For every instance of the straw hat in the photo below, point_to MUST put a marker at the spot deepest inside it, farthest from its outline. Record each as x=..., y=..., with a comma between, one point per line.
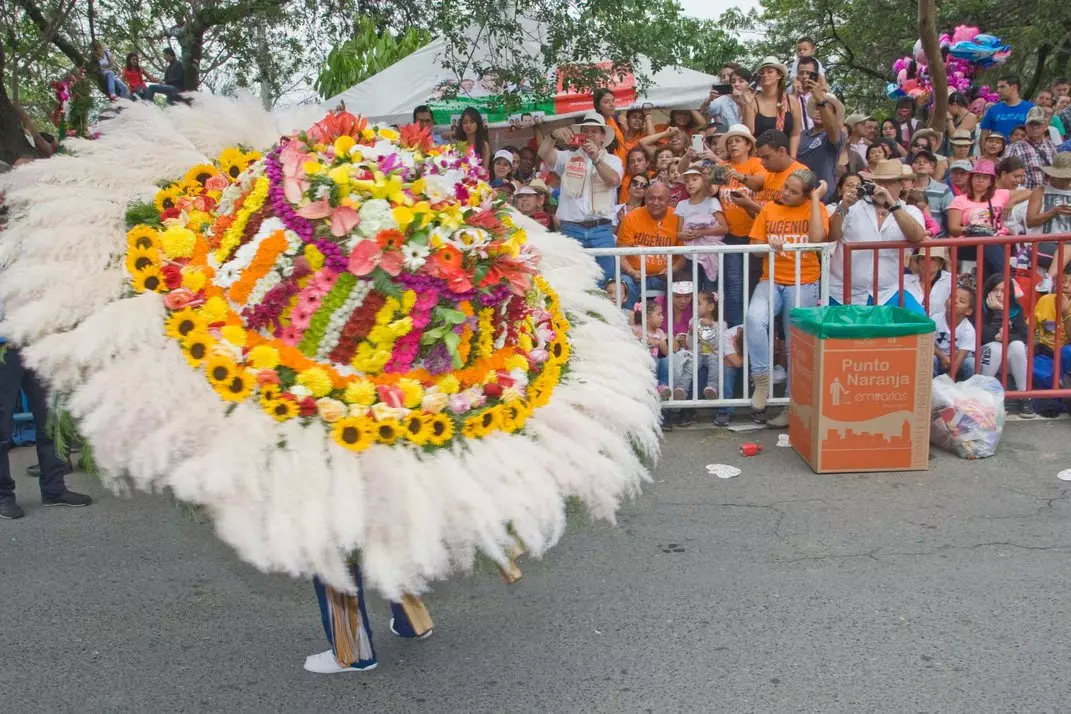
x=772, y=61
x=886, y=170
x=1061, y=166
x=538, y=185
x=738, y=130
x=908, y=172
x=961, y=137
x=595, y=119
x=852, y=119
x=921, y=133
x=939, y=252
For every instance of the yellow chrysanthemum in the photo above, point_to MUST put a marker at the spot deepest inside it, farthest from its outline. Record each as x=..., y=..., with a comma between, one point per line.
x=138, y=259
x=354, y=433
x=143, y=237
x=168, y=197
x=280, y=409
x=441, y=429
x=235, y=334
x=196, y=346
x=408, y=301
x=215, y=309
x=201, y=173
x=316, y=380
x=314, y=257
x=149, y=280
x=517, y=362
x=417, y=428
x=524, y=341
x=238, y=387
x=388, y=431
x=412, y=392
x=219, y=369
x=184, y=322
x=178, y=242
x=193, y=279
x=263, y=357
x=360, y=392
x=449, y=384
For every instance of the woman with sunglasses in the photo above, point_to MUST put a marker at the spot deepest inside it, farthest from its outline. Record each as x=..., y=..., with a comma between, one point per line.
x=637, y=164
x=636, y=191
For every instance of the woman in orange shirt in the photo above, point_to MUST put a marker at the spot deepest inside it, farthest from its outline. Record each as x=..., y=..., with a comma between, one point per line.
x=745, y=176
x=606, y=105
x=795, y=218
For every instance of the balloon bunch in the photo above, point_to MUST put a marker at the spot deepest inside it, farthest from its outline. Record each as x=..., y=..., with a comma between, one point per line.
x=965, y=52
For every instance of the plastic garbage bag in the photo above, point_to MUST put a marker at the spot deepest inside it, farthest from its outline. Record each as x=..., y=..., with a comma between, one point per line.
x=967, y=417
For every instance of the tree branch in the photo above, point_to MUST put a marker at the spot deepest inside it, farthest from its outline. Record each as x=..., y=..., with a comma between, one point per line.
x=850, y=54
x=936, y=63
x=1039, y=69
x=61, y=43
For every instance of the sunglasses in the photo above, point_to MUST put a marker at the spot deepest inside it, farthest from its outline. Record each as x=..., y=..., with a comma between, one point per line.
x=639, y=182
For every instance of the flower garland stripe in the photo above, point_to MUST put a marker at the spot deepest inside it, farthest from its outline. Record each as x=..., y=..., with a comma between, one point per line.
x=314, y=335
x=358, y=324
x=340, y=317
x=267, y=252
x=251, y=205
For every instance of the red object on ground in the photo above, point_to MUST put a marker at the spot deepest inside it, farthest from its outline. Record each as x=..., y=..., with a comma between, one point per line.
x=750, y=448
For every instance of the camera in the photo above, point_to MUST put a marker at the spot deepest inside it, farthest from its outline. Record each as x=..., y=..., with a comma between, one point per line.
x=866, y=189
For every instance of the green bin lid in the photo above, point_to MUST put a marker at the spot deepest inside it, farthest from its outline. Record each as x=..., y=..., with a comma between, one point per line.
x=858, y=322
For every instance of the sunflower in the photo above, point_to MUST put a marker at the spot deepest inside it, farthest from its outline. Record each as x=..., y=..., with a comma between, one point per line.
x=387, y=431
x=201, y=173
x=183, y=322
x=483, y=423
x=238, y=387
x=139, y=259
x=280, y=409
x=149, y=280
x=191, y=187
x=514, y=415
x=269, y=392
x=196, y=346
x=220, y=369
x=234, y=161
x=142, y=237
x=168, y=197
x=441, y=429
x=559, y=350
x=417, y=428
x=355, y=433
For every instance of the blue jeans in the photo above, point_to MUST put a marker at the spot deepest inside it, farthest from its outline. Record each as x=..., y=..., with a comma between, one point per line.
x=966, y=370
x=910, y=303
x=662, y=371
x=733, y=278
x=728, y=390
x=15, y=376
x=654, y=282
x=114, y=84
x=757, y=330
x=152, y=90
x=601, y=236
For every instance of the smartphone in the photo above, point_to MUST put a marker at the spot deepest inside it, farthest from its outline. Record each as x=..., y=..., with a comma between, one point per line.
x=697, y=143
x=722, y=88
x=577, y=141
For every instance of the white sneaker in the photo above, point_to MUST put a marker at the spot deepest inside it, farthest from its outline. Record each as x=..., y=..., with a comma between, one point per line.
x=325, y=663
x=425, y=636
x=780, y=421
x=779, y=374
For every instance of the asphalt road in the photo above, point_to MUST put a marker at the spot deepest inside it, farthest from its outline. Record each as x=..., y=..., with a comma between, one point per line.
x=777, y=591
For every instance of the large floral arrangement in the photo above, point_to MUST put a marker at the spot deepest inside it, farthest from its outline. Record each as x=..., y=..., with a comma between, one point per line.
x=357, y=276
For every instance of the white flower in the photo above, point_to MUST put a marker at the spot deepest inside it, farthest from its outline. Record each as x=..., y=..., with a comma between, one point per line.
x=300, y=391
x=441, y=187
x=414, y=255
x=375, y=216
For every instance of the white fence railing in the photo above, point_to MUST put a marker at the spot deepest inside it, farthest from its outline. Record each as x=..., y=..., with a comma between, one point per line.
x=676, y=356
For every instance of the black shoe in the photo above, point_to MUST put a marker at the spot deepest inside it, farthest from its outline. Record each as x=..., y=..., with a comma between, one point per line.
x=9, y=510
x=1026, y=409
x=759, y=416
x=686, y=418
x=67, y=498
x=668, y=420
x=721, y=419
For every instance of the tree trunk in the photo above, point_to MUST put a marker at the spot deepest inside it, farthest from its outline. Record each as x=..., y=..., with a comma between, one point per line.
x=267, y=98
x=936, y=63
x=1039, y=71
x=13, y=143
x=193, y=48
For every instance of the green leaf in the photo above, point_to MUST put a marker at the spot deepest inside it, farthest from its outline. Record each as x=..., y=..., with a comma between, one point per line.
x=449, y=315
x=452, y=340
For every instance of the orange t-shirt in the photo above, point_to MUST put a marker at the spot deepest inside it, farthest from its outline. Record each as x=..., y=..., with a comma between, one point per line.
x=622, y=194
x=790, y=222
x=638, y=228
x=771, y=190
x=739, y=220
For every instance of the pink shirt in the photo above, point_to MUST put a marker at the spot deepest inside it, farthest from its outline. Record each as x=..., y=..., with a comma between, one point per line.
x=976, y=213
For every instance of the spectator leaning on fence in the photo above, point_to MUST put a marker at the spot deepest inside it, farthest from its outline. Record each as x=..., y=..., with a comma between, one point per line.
x=991, y=325
x=871, y=218
x=1046, y=316
x=590, y=177
x=797, y=217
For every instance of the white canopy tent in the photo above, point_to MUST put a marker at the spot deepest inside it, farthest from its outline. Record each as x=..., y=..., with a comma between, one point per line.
x=391, y=95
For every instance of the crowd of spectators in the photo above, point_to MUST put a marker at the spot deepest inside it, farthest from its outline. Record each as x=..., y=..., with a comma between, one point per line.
x=774, y=158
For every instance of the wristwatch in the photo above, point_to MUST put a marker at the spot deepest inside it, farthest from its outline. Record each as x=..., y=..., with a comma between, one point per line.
x=896, y=207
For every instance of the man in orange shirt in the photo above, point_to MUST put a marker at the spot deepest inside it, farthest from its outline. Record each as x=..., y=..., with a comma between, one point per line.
x=656, y=225
x=796, y=217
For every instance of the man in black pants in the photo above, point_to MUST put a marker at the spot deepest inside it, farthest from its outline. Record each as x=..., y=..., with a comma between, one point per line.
x=54, y=492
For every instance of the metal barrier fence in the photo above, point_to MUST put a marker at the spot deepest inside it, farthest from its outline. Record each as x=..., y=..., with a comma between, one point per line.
x=996, y=251
x=674, y=360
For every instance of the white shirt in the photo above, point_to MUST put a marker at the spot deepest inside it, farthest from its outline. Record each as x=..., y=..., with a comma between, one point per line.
x=795, y=68
x=861, y=226
x=727, y=336
x=965, y=335
x=598, y=198
x=940, y=291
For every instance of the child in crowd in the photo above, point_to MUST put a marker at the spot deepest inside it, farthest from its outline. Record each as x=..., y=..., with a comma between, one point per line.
x=663, y=158
x=991, y=323
x=1046, y=313
x=703, y=223
x=960, y=364
x=938, y=275
x=677, y=191
x=918, y=199
x=655, y=339
x=531, y=200
x=619, y=295
x=706, y=356
x=732, y=356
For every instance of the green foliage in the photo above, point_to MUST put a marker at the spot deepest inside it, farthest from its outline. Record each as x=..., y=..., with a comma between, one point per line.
x=366, y=53
x=138, y=213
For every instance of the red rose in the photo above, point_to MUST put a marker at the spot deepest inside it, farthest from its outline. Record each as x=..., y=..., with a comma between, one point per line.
x=307, y=407
x=492, y=390
x=172, y=276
